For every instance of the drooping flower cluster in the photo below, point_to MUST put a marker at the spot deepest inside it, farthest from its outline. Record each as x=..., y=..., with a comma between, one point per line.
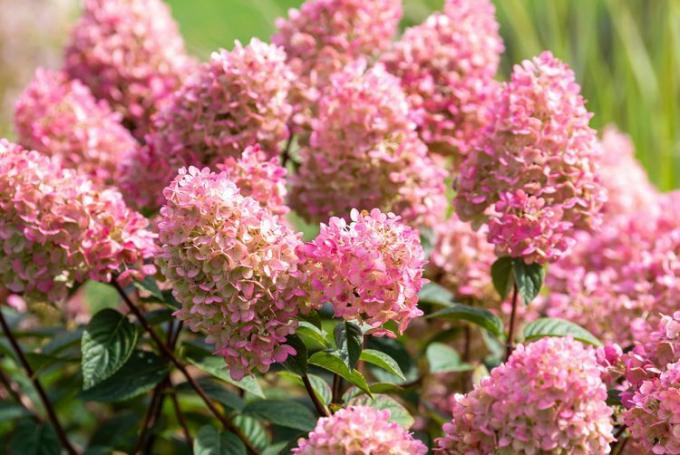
x=59, y=117
x=548, y=398
x=57, y=229
x=462, y=259
x=447, y=66
x=532, y=179
x=325, y=35
x=627, y=184
x=359, y=430
x=236, y=100
x=370, y=269
x=368, y=156
x=130, y=53
x=233, y=268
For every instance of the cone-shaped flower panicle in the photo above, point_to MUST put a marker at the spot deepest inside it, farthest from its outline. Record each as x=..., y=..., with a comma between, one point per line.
x=130, y=53
x=447, y=66
x=548, y=398
x=359, y=430
x=324, y=35
x=533, y=177
x=368, y=156
x=57, y=229
x=233, y=267
x=61, y=118
x=369, y=269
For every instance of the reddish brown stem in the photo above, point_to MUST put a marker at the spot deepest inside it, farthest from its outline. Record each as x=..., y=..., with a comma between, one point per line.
x=320, y=407
x=509, y=344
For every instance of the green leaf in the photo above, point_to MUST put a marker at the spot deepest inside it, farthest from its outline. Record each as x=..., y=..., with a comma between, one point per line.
x=434, y=294
x=313, y=337
x=321, y=388
x=108, y=342
x=253, y=430
x=215, y=391
x=398, y=413
x=148, y=284
x=298, y=362
x=613, y=397
x=428, y=240
x=10, y=411
x=554, y=327
x=444, y=359
x=478, y=316
x=209, y=441
x=34, y=438
x=285, y=413
x=141, y=373
x=382, y=360
x=502, y=275
x=349, y=340
x=217, y=367
x=529, y=279
x=333, y=363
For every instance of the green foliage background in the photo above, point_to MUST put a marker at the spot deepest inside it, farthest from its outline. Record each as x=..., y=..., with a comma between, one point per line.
x=626, y=54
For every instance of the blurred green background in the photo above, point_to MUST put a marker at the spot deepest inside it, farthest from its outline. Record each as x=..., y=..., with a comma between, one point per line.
x=626, y=54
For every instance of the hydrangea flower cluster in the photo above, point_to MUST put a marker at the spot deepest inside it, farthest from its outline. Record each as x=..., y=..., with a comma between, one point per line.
x=60, y=118
x=232, y=265
x=548, y=397
x=370, y=269
x=532, y=179
x=447, y=66
x=462, y=259
x=325, y=35
x=130, y=53
x=368, y=156
x=359, y=430
x=57, y=229
x=236, y=100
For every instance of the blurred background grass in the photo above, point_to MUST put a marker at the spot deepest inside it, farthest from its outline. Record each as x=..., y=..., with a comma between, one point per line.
x=626, y=54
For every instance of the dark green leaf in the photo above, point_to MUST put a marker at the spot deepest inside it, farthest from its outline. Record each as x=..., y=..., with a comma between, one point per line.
x=398, y=413
x=554, y=327
x=63, y=341
x=313, y=337
x=434, y=294
x=333, y=363
x=298, y=362
x=253, y=430
x=285, y=413
x=382, y=360
x=444, y=359
x=529, y=279
x=501, y=275
x=209, y=441
x=349, y=340
x=428, y=239
x=148, y=284
x=479, y=316
x=312, y=318
x=10, y=411
x=613, y=397
x=321, y=388
x=108, y=342
x=140, y=374
x=217, y=367
x=34, y=438
x=215, y=391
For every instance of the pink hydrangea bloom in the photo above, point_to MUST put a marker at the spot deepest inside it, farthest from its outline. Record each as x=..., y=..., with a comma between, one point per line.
x=447, y=66
x=324, y=35
x=462, y=260
x=548, y=398
x=359, y=430
x=370, y=269
x=233, y=267
x=628, y=186
x=653, y=417
x=61, y=118
x=368, y=156
x=130, y=53
x=236, y=100
x=57, y=229
x=533, y=179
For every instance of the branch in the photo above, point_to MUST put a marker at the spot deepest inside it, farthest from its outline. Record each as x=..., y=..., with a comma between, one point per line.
x=509, y=346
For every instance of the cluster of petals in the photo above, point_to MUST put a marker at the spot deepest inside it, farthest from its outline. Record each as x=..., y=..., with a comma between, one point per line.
x=447, y=66
x=130, y=53
x=323, y=36
x=359, y=430
x=233, y=267
x=235, y=100
x=57, y=229
x=60, y=117
x=369, y=269
x=368, y=156
x=462, y=259
x=532, y=179
x=548, y=398
x=627, y=184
